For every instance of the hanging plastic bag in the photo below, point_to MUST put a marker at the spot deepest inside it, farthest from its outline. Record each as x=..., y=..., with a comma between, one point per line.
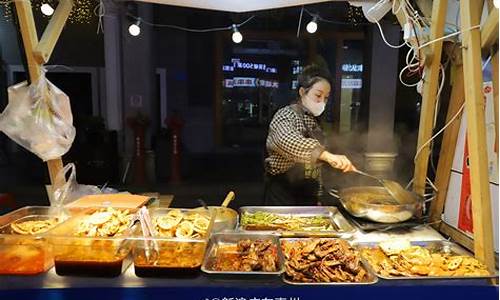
x=38, y=117
x=71, y=190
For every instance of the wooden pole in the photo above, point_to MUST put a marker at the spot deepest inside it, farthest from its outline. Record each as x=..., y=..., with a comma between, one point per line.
x=487, y=42
x=51, y=34
x=430, y=89
x=448, y=145
x=470, y=13
x=489, y=32
x=494, y=69
x=30, y=41
x=30, y=38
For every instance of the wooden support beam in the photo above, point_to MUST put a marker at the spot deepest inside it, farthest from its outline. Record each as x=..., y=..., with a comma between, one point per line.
x=470, y=14
x=457, y=236
x=30, y=38
x=51, y=34
x=30, y=41
x=430, y=88
x=489, y=32
x=494, y=71
x=448, y=145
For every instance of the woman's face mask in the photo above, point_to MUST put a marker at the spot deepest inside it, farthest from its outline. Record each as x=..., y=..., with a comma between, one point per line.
x=315, y=99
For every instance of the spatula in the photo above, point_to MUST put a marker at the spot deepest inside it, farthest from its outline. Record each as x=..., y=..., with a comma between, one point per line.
x=394, y=188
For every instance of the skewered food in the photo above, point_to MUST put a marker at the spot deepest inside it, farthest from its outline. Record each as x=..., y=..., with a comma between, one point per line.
x=247, y=256
x=34, y=227
x=261, y=220
x=410, y=261
x=322, y=260
x=105, y=222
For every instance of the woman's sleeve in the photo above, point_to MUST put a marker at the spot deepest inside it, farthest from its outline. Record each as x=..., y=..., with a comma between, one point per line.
x=286, y=139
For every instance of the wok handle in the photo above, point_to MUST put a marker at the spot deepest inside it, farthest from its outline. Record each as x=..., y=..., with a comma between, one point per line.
x=229, y=198
x=334, y=193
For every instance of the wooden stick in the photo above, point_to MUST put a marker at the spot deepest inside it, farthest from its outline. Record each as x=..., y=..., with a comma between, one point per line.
x=53, y=31
x=430, y=88
x=30, y=38
x=489, y=32
x=494, y=70
x=30, y=41
x=470, y=13
x=448, y=145
x=457, y=235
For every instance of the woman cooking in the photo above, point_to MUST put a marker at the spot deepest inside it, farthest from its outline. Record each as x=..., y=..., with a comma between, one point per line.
x=295, y=144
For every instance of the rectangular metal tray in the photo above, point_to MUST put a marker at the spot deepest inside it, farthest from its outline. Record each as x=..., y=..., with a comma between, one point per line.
x=31, y=253
x=229, y=238
x=444, y=246
x=372, y=278
x=345, y=229
x=162, y=262
x=89, y=256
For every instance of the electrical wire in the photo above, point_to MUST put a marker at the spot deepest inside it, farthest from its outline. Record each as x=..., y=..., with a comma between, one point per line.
x=385, y=41
x=449, y=122
x=191, y=29
x=448, y=36
x=320, y=18
x=300, y=21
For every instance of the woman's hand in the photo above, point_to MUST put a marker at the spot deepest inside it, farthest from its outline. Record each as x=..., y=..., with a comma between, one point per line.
x=337, y=161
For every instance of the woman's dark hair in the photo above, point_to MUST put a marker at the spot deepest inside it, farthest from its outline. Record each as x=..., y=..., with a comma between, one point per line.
x=312, y=74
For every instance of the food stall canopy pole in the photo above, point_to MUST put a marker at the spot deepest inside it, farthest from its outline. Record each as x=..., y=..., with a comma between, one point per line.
x=31, y=44
x=238, y=6
x=430, y=89
x=470, y=14
x=450, y=137
x=489, y=38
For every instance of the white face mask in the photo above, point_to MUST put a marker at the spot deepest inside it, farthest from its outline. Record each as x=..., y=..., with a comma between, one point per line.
x=316, y=108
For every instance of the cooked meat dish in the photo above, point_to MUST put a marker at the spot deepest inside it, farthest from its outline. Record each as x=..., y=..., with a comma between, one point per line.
x=322, y=260
x=247, y=256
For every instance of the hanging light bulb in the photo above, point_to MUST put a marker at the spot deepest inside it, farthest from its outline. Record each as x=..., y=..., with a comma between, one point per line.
x=47, y=9
x=313, y=25
x=134, y=29
x=237, y=36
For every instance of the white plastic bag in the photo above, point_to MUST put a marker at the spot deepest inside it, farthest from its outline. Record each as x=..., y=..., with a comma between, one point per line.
x=38, y=117
x=71, y=190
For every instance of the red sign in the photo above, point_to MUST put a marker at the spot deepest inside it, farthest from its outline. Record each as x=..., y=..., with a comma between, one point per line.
x=465, y=211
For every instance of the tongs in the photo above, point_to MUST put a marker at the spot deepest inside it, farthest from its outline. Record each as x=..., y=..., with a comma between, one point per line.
x=150, y=245
x=395, y=189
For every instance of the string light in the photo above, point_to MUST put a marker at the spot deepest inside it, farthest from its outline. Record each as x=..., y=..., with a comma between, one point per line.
x=134, y=28
x=313, y=25
x=47, y=9
x=237, y=36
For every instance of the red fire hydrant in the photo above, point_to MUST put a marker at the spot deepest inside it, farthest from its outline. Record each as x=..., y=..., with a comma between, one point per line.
x=175, y=124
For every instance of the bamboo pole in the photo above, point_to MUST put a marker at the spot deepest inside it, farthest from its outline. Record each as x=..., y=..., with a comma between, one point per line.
x=470, y=13
x=430, y=88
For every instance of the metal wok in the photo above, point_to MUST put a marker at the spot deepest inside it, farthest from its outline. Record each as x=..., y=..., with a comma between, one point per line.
x=376, y=204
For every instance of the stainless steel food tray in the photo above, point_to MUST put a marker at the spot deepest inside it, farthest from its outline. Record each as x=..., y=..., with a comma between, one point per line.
x=229, y=238
x=372, y=278
x=433, y=246
x=344, y=228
